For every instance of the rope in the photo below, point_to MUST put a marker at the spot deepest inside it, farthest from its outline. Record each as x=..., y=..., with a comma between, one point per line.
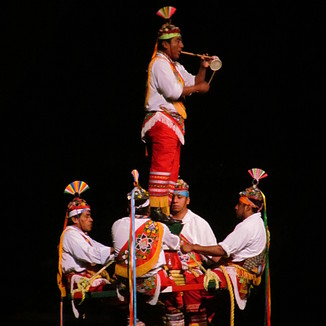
x=211, y=277
x=84, y=284
x=230, y=288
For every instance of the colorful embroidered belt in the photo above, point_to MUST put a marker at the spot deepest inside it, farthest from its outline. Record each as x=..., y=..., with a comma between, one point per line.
x=175, y=117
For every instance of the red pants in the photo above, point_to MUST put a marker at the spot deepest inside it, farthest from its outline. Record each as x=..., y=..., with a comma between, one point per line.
x=165, y=163
x=99, y=287
x=193, y=299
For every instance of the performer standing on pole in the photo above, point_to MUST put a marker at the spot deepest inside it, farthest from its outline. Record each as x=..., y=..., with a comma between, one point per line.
x=163, y=129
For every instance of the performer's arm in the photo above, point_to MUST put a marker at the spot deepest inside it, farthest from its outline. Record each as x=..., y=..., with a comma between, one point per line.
x=164, y=80
x=77, y=246
x=215, y=251
x=202, y=87
x=201, y=75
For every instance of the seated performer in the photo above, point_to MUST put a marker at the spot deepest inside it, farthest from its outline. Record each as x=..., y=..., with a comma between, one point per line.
x=80, y=256
x=151, y=236
x=192, y=229
x=241, y=254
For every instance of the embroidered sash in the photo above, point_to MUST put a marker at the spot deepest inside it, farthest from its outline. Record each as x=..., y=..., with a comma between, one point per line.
x=249, y=273
x=147, y=246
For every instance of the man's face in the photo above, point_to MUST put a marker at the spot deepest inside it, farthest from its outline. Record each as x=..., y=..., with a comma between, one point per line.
x=175, y=47
x=240, y=209
x=179, y=203
x=85, y=221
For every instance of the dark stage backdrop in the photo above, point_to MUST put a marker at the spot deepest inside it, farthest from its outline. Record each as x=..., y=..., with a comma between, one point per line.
x=74, y=77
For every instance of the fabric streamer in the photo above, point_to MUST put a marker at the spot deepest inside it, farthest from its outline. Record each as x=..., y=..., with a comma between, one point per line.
x=132, y=256
x=258, y=174
x=267, y=321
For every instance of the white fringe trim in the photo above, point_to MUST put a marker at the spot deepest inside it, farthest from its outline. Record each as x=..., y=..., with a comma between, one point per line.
x=153, y=301
x=120, y=297
x=74, y=280
x=233, y=276
x=159, y=116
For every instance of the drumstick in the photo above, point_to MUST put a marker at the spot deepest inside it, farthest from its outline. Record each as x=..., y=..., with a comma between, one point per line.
x=212, y=76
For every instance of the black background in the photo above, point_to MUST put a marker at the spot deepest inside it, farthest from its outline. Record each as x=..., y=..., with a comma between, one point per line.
x=74, y=77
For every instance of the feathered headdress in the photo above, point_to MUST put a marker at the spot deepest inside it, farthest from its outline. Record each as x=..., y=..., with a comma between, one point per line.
x=181, y=188
x=254, y=193
x=168, y=30
x=77, y=205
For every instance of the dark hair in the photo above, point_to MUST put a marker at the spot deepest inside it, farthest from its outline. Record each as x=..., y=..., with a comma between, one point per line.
x=160, y=46
x=257, y=203
x=70, y=221
x=139, y=211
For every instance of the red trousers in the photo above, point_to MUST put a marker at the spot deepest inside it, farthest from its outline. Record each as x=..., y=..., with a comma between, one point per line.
x=193, y=299
x=165, y=163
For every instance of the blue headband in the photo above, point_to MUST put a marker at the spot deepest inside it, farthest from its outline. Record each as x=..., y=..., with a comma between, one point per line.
x=184, y=193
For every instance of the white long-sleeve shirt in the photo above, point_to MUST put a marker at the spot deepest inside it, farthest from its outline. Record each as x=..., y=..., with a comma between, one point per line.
x=120, y=235
x=248, y=239
x=80, y=250
x=197, y=230
x=163, y=84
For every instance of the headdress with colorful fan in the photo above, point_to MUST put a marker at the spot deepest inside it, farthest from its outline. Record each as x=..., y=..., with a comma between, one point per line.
x=168, y=30
x=253, y=196
x=141, y=195
x=77, y=205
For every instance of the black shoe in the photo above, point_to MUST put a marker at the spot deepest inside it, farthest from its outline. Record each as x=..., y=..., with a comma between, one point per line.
x=158, y=216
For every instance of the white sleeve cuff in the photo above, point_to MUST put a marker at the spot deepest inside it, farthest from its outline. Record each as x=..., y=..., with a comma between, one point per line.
x=225, y=248
x=105, y=253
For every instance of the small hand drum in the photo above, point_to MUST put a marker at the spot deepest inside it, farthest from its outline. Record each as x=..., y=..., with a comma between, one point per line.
x=215, y=64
